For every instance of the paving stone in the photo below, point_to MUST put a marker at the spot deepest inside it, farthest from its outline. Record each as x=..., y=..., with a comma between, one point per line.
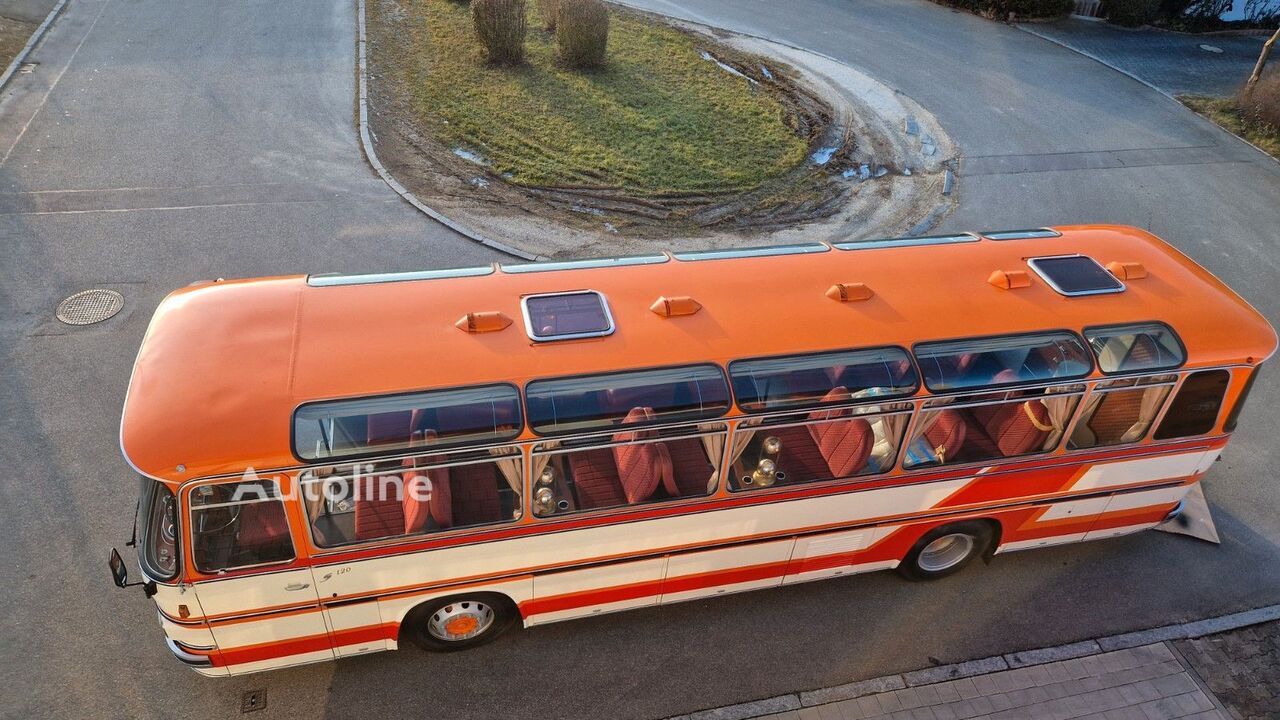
x=870, y=706
x=947, y=691
x=1241, y=667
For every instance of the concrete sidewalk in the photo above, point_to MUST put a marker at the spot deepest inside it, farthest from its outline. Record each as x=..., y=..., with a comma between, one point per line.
x=1174, y=63
x=1159, y=674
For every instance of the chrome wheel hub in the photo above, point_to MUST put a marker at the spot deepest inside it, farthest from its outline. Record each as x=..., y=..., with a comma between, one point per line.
x=460, y=620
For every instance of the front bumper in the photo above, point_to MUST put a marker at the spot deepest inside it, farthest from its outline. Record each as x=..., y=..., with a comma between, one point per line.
x=188, y=658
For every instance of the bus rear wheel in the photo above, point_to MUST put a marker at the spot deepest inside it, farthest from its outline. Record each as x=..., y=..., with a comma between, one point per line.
x=459, y=622
x=946, y=550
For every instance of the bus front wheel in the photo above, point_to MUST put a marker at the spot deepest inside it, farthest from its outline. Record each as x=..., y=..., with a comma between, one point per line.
x=945, y=550
x=459, y=622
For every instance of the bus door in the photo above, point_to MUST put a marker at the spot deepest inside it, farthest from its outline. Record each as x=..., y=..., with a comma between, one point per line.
x=262, y=605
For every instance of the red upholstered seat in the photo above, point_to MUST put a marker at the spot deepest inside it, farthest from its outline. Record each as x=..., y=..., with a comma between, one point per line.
x=262, y=525
x=595, y=475
x=641, y=468
x=800, y=457
x=474, y=494
x=845, y=445
x=1015, y=428
x=946, y=435
x=379, y=510
x=691, y=467
x=426, y=492
x=1144, y=353
x=1116, y=414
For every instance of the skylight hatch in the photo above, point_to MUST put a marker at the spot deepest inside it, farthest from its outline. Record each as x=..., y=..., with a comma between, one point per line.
x=567, y=315
x=1075, y=275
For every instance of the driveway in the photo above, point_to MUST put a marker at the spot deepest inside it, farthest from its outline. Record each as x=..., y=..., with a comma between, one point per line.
x=161, y=142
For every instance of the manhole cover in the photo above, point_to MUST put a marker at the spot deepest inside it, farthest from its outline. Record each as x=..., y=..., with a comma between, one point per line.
x=90, y=306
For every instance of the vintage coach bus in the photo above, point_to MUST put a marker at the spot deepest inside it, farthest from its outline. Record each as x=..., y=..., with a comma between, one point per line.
x=334, y=465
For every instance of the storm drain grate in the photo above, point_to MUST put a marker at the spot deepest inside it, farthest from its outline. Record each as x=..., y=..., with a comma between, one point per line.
x=90, y=306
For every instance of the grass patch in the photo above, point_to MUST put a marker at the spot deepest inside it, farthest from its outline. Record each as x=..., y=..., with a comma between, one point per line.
x=1223, y=112
x=13, y=35
x=656, y=119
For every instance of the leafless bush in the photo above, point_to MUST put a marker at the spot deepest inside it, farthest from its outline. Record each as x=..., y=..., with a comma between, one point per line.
x=1262, y=105
x=500, y=25
x=582, y=32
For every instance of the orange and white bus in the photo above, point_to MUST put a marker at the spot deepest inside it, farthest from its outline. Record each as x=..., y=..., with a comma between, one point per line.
x=334, y=465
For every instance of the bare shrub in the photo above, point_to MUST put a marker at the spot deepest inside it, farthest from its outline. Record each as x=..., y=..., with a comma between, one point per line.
x=1262, y=105
x=500, y=26
x=582, y=32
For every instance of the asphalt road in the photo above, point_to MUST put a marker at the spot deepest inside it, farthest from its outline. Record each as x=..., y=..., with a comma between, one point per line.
x=160, y=142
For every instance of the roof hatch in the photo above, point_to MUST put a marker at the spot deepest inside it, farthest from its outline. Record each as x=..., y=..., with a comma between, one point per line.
x=1074, y=275
x=567, y=315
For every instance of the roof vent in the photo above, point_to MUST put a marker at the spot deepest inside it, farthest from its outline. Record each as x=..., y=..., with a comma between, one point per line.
x=675, y=305
x=567, y=315
x=482, y=322
x=1009, y=279
x=1075, y=275
x=1127, y=270
x=849, y=292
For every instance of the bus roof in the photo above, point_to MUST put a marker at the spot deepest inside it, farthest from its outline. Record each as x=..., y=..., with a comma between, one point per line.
x=224, y=364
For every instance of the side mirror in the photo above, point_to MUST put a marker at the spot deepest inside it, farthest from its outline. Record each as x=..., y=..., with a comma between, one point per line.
x=119, y=573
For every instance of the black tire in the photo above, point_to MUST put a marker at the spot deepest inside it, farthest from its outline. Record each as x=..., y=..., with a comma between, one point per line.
x=977, y=535
x=424, y=626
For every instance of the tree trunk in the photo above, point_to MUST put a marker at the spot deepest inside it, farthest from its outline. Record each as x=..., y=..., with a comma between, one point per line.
x=1262, y=63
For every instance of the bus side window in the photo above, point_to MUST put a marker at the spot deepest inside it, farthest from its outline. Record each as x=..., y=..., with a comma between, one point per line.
x=818, y=445
x=1120, y=411
x=238, y=525
x=1194, y=410
x=991, y=426
x=410, y=496
x=628, y=468
x=1234, y=416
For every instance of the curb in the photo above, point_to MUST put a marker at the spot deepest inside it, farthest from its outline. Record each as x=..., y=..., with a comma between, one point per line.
x=31, y=43
x=366, y=142
x=1131, y=76
x=983, y=666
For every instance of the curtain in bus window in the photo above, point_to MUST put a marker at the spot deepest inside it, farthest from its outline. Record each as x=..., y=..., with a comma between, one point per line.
x=713, y=443
x=510, y=469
